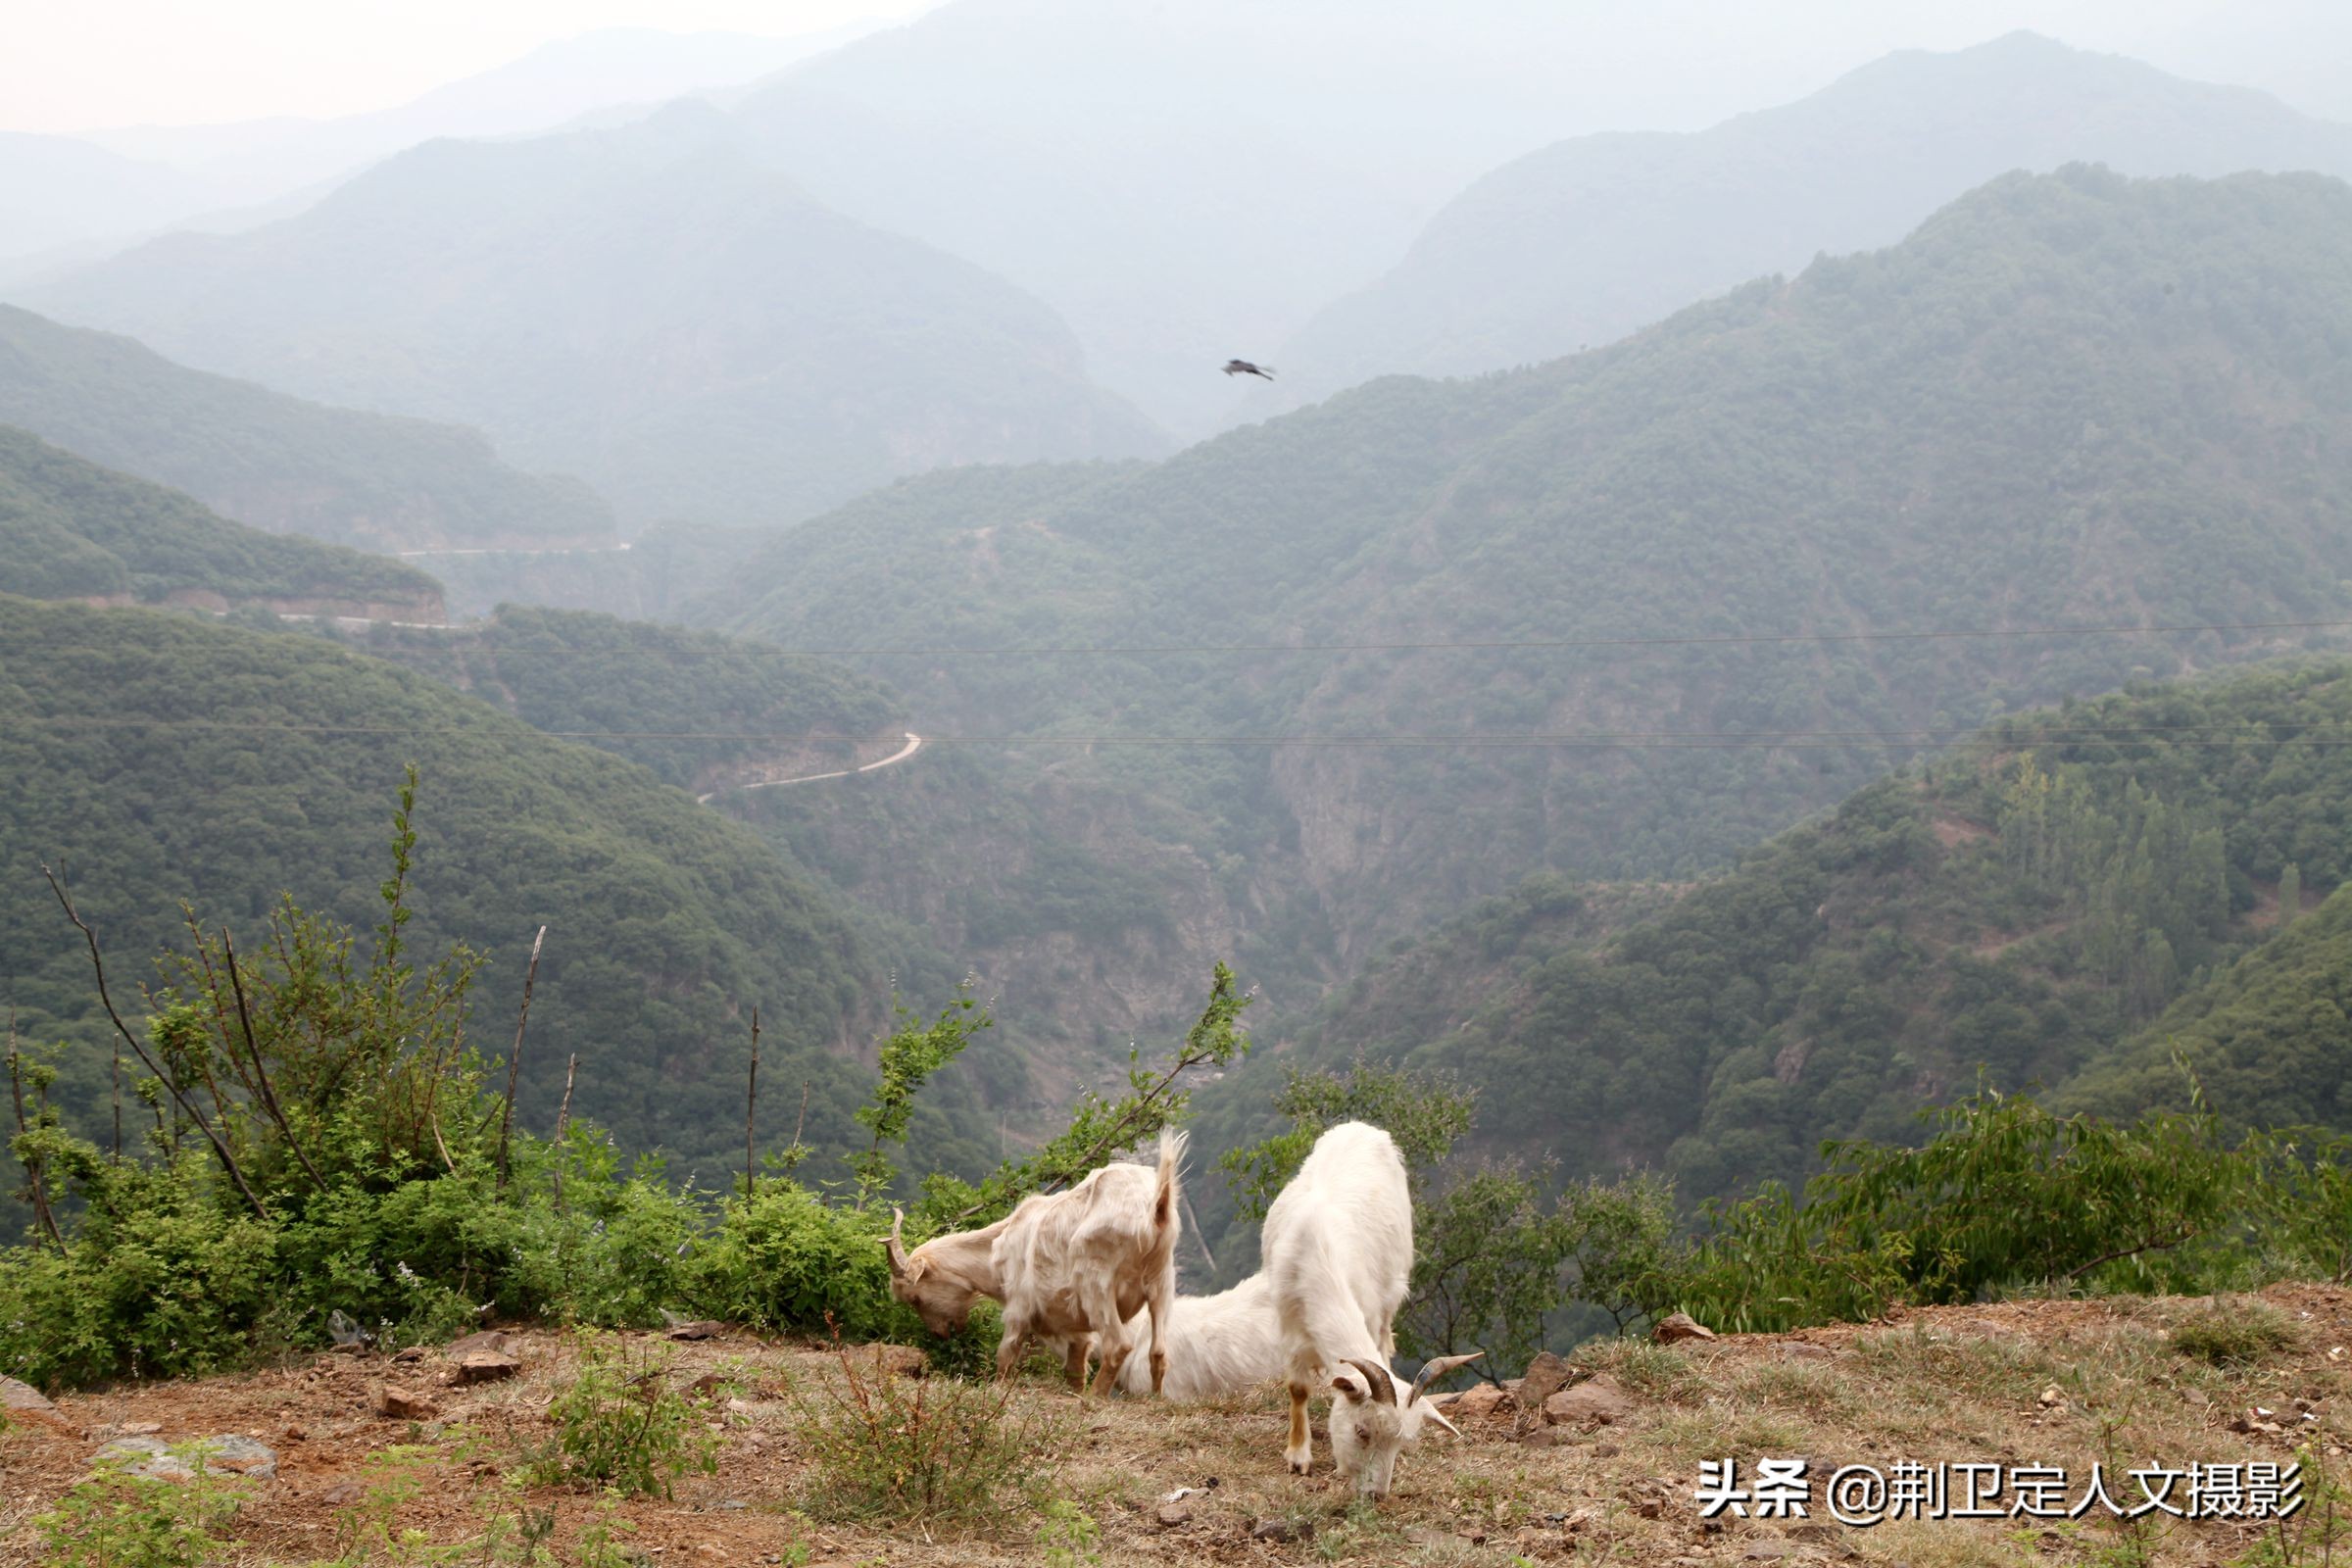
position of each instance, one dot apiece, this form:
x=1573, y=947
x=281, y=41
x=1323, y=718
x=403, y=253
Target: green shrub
x=788, y=1262
x=619, y=1424
x=115, y=1520
x=158, y=1281
x=931, y=1449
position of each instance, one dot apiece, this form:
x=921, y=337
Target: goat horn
x=895, y=1242
x=1434, y=1370
x=1384, y=1386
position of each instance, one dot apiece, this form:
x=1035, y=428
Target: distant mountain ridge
x=276, y=461
x=71, y=530
x=2066, y=400
x=653, y=308
x=1577, y=244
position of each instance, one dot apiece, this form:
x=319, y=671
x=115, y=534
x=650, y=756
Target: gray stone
x=485, y=1340
x=163, y=1461
x=16, y=1396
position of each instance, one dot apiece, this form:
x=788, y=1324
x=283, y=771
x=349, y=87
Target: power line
x=1472, y=645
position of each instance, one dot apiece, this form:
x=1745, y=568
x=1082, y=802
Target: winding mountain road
x=914, y=744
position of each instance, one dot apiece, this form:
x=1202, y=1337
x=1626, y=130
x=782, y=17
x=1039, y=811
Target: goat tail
x=1164, y=1198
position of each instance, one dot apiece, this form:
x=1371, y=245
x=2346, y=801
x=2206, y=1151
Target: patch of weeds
x=1069, y=1538
x=116, y=1520
x=1658, y=1370
x=2236, y=1333
x=1359, y=1528
x=2318, y=1534
x=620, y=1425
x=931, y=1448
x=371, y=1532
x=1816, y=1389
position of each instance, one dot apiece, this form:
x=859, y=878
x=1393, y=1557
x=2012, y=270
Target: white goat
x=1217, y=1344
x=1339, y=1250
x=1070, y=1266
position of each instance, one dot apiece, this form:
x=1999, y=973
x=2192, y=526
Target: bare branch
x=506, y=1121
x=229, y=1161
x=261, y=1068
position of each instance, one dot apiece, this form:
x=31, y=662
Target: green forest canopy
x=158, y=758
x=2061, y=903
x=72, y=529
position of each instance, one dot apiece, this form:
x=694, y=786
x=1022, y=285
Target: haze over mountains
x=2066, y=400
x=651, y=307
x=277, y=462
x=58, y=192
x=1577, y=244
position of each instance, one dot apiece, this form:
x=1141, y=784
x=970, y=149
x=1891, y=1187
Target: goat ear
x=1350, y=1386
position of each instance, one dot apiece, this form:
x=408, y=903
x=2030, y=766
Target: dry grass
x=1957, y=1384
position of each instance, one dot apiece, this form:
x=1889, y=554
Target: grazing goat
x=1217, y=1343
x=1071, y=1267
x=1339, y=1248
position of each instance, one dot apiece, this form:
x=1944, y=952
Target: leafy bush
x=618, y=1423
x=2005, y=1196
x=928, y=1449
x=115, y=1520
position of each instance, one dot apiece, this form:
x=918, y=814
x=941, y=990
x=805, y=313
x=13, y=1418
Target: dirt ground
x=2057, y=1383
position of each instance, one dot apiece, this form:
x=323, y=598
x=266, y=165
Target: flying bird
x=1245, y=367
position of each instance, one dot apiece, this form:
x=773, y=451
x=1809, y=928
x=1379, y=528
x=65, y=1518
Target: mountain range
x=277, y=462
x=1583, y=241
x=651, y=307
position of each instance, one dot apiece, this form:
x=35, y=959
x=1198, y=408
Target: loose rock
x=483, y=1339
x=1678, y=1327
x=391, y=1400
x=1597, y=1402
x=486, y=1366
x=1471, y=1404
x=1546, y=1375
x=1172, y=1514
x=1282, y=1530
x=705, y=1329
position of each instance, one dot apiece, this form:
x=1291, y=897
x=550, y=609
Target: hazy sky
x=96, y=64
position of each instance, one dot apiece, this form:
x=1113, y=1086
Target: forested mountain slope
x=2026, y=909
x=277, y=462
x=70, y=529
x=697, y=709
x=159, y=758
x=1081, y=911
x=2066, y=401
x=653, y=308
x=1590, y=238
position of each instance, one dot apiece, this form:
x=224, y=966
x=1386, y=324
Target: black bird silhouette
x=1245, y=367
